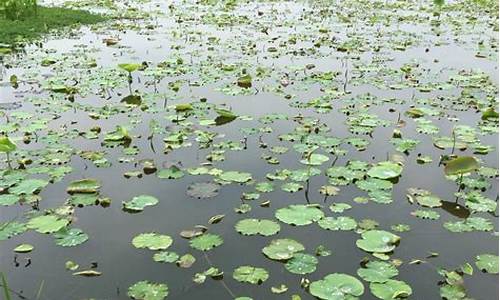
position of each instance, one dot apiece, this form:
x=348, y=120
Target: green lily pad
x=337, y=286
x=339, y=223
x=378, y=241
x=129, y=67
x=70, y=237
x=487, y=263
x=391, y=289
x=428, y=200
x=301, y=263
x=6, y=145
x=315, y=159
x=170, y=173
x=385, y=170
x=299, y=214
x=10, y=229
x=84, y=186
x=46, y=224
x=250, y=274
x=206, y=241
x=282, y=249
x=254, y=226
x=377, y=271
x=461, y=165
x=234, y=176
x=138, y=203
x=8, y=199
x=28, y=186
x=145, y=290
x=166, y=257
x=152, y=241
x=24, y=248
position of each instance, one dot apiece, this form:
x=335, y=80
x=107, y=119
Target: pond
x=254, y=150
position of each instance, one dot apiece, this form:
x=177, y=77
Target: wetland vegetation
x=230, y=149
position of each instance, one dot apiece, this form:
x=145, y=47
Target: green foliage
x=46, y=19
x=18, y=9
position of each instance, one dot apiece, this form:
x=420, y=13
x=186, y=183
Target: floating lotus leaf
x=6, y=145
x=186, y=261
x=47, y=224
x=315, y=159
x=461, y=165
x=469, y=224
x=339, y=207
x=377, y=271
x=329, y=190
x=282, y=249
x=475, y=201
x=301, y=263
x=385, y=170
x=120, y=134
x=129, y=67
x=250, y=274
x=28, y=186
x=255, y=226
x=166, y=256
x=138, y=203
x=70, y=237
x=452, y=292
x=340, y=223
x=391, y=289
x=8, y=199
x=145, y=290
x=245, y=81
x=299, y=214
x=291, y=187
x=88, y=273
x=152, y=241
x=337, y=286
x=487, y=263
x=264, y=187
x=426, y=214
x=378, y=241
x=170, y=173
x=234, y=176
x=206, y=241
x=86, y=199
x=83, y=186
x=203, y=190
x=428, y=200
x=24, y=248
x=10, y=229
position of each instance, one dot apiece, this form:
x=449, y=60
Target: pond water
x=273, y=104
